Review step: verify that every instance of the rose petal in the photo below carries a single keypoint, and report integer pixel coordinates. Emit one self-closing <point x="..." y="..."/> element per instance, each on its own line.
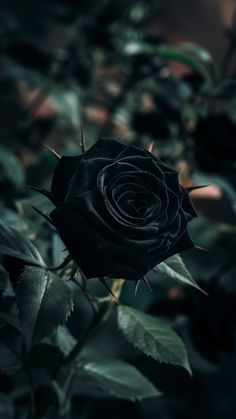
<point x="63" y="173"/>
<point x="104" y="147"/>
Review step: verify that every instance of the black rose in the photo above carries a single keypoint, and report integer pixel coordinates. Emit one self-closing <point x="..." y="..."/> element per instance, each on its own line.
<point x="215" y="144"/>
<point x="119" y="210"/>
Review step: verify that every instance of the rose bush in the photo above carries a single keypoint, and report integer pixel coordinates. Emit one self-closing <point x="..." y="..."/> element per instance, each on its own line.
<point x="119" y="210"/>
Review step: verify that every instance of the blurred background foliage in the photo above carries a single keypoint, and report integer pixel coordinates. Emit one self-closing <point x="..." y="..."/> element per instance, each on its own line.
<point x="146" y="72"/>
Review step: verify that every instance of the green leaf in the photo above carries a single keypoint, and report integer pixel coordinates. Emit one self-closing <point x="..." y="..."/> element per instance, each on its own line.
<point x="174" y="268"/>
<point x="64" y="340"/>
<point x="62" y="393"/>
<point x="11" y="350"/>
<point x="200" y="52"/>
<point x="44" y="301"/>
<point x="175" y="54"/>
<point x="14" y="244"/>
<point x="9" y="319"/>
<point x="117" y="378"/>
<point x="6" y="407"/>
<point x="58" y="250"/>
<point x="152" y="336"/>
<point x="11" y="170"/>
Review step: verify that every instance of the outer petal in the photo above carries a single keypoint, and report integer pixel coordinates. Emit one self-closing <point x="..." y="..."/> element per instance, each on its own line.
<point x="62" y="175"/>
<point x="85" y="176"/>
<point x="95" y="255"/>
<point x="67" y="165"/>
<point x="106" y="148"/>
<point x="187" y="204"/>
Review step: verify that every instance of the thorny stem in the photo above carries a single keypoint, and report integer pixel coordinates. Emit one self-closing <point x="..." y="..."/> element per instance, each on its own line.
<point x="65" y="367"/>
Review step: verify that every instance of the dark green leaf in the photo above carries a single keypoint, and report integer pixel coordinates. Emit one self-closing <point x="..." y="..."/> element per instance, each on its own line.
<point x="174" y="268"/>
<point x="44" y="301"/>
<point x="152" y="336"/>
<point x="10" y="319"/>
<point x="11" y="350"/>
<point x="10" y="168"/>
<point x="13" y="243"/>
<point x="118" y="379"/>
<point x="63" y="339"/>
<point x="62" y="394"/>
<point x="58" y="250"/>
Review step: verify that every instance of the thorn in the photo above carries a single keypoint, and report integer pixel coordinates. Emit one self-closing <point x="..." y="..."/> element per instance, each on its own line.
<point x="146" y="281"/>
<point x="62" y="265"/>
<point x="136" y="285"/>
<point x="74" y="271"/>
<point x="82" y="143"/>
<point x="150" y="147"/>
<point x="103" y="281"/>
<point x="200" y="248"/>
<point x="203" y="292"/>
<point x="58" y="156"/>
<point x="43" y="215"/>
<point x="193" y="188"/>
<point x="40" y="190"/>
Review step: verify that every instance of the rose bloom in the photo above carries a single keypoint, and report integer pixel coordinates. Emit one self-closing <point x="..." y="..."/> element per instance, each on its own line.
<point x="119" y="210"/>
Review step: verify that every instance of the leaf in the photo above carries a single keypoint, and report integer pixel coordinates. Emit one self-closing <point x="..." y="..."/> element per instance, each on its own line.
<point x="152" y="336"/>
<point x="175" y="54"/>
<point x="58" y="250"/>
<point x="44" y="301"/>
<point x="64" y="340"/>
<point x="11" y="350"/>
<point x="174" y="268"/>
<point x="117" y="378"/>
<point x="6" y="407"/>
<point x="14" y="244"/>
<point x="200" y="52"/>
<point x="11" y="319"/>
<point x="11" y="170"/>
<point x="12" y="218"/>
<point x="62" y="393"/>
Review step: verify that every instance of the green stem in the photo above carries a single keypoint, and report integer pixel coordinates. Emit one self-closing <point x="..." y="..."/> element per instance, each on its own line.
<point x="97" y="321"/>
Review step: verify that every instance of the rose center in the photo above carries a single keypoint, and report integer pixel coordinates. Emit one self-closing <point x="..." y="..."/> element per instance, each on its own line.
<point x="138" y="204"/>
